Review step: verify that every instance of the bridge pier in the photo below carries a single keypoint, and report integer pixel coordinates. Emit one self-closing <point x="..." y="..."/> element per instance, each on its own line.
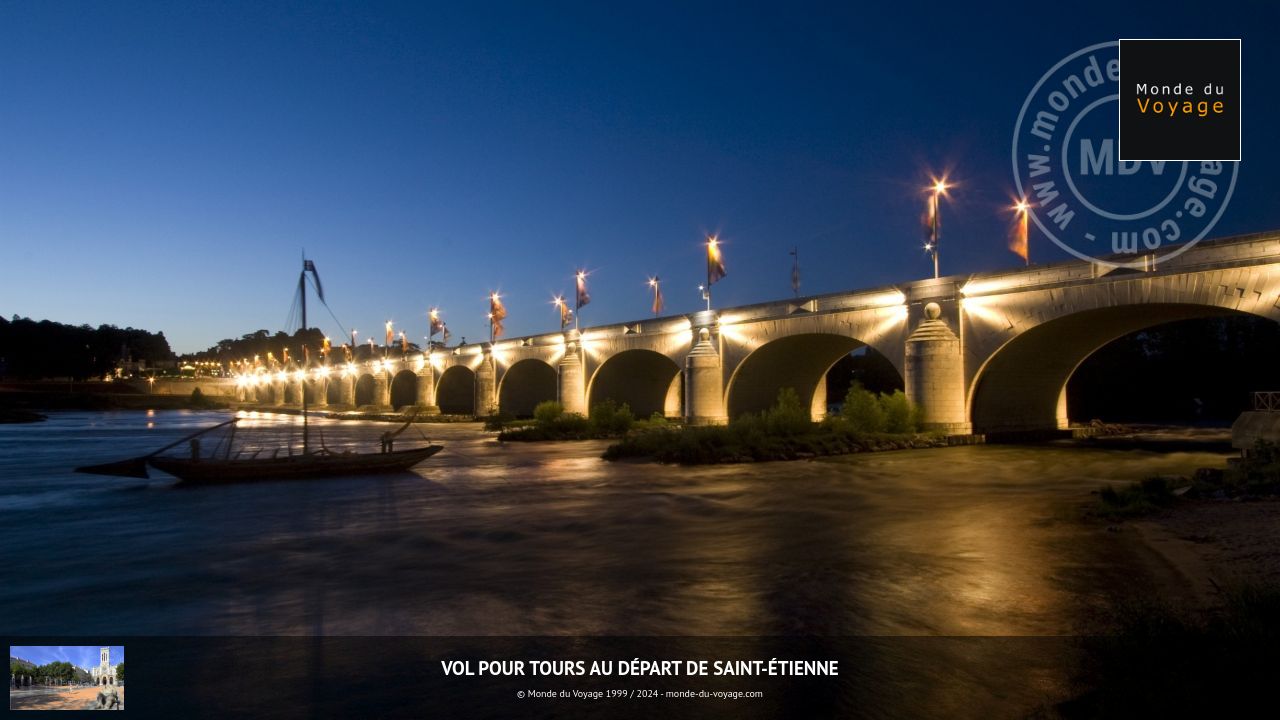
<point x="571" y="388"/>
<point x="486" y="386"/>
<point x="934" y="374"/>
<point x="382" y="390"/>
<point x="299" y="383"/>
<point x="347" y="390"/>
<point x="277" y="392"/>
<point x="704" y="387"/>
<point x="425" y="401"/>
<point x="320" y="391"/>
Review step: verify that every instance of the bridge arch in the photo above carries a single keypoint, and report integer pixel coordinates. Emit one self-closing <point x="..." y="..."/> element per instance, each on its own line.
<point x="525" y="384"/>
<point x="364" y="390"/>
<point x="799" y="362"/>
<point x="1023" y="384"/>
<point x="333" y="388"/>
<point x="456" y="391"/>
<point x="404" y="389"/>
<point x="646" y="380"/>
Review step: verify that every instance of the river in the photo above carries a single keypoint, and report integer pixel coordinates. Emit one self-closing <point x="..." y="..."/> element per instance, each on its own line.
<point x="549" y="540"/>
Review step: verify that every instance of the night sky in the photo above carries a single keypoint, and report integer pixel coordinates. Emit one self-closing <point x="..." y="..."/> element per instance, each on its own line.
<point x="163" y="165"/>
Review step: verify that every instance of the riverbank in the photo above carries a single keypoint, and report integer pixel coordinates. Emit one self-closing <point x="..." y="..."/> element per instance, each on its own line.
<point x="41" y="401"/>
<point x="730" y="444"/>
<point x="19" y="415"/>
<point x="1197" y="637"/>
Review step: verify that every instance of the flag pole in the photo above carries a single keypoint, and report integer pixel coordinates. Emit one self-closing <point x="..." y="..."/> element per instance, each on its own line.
<point x="795" y="270"/>
<point x="934" y="241"/>
<point x="935" y="221"/>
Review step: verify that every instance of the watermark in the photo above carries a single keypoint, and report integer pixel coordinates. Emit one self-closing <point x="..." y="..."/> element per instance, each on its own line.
<point x="1083" y="197"/>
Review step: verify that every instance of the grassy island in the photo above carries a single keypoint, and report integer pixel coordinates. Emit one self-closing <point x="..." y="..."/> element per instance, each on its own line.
<point x="867" y="422"/>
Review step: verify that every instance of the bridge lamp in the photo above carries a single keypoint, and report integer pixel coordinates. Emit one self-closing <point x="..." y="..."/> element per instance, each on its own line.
<point x="939" y="188"/>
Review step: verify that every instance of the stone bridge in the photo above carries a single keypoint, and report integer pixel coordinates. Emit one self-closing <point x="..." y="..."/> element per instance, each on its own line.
<point x="978" y="353"/>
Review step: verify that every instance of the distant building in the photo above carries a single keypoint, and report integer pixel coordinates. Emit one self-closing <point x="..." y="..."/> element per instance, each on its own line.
<point x="21" y="663"/>
<point x="105" y="673"/>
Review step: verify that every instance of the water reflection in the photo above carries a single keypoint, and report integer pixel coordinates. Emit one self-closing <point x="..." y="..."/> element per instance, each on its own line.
<point x="489" y="539"/>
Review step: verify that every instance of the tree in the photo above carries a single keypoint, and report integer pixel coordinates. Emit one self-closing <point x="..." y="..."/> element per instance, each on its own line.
<point x="120" y="672"/>
<point x="863" y="410"/>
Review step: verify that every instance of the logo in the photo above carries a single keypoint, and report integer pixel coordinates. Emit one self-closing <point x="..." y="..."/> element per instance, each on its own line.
<point x="1083" y="197"/>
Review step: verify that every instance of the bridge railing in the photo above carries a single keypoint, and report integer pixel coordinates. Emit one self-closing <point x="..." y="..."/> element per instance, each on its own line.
<point x="1267" y="401"/>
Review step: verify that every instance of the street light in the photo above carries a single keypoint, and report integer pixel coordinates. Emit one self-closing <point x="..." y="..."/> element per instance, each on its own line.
<point x="938" y="189"/>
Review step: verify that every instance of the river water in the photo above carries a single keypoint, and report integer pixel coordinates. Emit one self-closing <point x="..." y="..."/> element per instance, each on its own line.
<point x="547" y="539"/>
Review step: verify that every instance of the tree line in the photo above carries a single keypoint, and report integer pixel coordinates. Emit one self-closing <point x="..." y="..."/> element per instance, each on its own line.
<point x="32" y="350"/>
<point x="57" y="671"/>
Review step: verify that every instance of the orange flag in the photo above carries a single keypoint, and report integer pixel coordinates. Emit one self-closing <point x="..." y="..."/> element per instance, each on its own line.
<point x="1018" y="241"/>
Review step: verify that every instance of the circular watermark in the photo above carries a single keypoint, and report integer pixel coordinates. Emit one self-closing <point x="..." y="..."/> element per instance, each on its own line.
<point x="1099" y="208"/>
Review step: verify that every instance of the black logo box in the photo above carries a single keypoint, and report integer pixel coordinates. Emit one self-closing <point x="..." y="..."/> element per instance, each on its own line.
<point x="1187" y="68"/>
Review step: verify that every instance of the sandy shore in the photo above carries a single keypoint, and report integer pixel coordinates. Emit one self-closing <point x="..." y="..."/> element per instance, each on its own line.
<point x="1216" y="544"/>
<point x="76" y="698"/>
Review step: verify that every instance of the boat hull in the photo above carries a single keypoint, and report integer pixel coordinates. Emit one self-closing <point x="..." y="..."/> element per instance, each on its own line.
<point x="298" y="467"/>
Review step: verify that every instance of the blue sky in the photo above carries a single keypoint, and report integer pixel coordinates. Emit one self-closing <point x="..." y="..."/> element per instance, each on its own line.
<point x="83" y="656"/>
<point x="163" y="165"/>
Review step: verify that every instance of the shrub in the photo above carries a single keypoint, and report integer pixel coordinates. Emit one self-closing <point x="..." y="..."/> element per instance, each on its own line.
<point x="571" y="425"/>
<point x="548" y="412"/>
<point x="788" y="417"/>
<point x="609" y="418"/>
<point x="863" y="410"/>
<point x="900" y="416"/>
<point x="200" y="400"/>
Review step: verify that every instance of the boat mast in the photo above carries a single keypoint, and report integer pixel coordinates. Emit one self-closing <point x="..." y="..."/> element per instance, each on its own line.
<point x="302" y="291"/>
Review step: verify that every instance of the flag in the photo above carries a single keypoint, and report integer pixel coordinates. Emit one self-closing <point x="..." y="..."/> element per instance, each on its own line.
<point x="306" y="355"/>
<point x="389" y="335"/>
<point x="446" y="334"/>
<point x="565" y="312"/>
<point x="497" y="313"/>
<point x="656" y="283"/>
<point x="1018" y="235"/>
<point x="285" y="359"/>
<point x="437" y="324"/>
<point x="404" y="343"/>
<point x="932" y="221"/>
<point x="309" y="266"/>
<point x="795" y="271"/>
<point x="347" y="350"/>
<point x="583" y="298"/>
<point x="325" y="347"/>
<point x="715" y="261"/>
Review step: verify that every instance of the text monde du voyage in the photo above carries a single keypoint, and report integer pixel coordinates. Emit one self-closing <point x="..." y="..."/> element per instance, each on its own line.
<point x="1178" y="99"/>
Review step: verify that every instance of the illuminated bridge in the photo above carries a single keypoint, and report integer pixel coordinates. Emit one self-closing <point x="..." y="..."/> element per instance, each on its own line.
<point x="978" y="353"/>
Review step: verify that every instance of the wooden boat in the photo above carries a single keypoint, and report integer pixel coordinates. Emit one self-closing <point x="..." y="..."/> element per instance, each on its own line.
<point x="321" y="463"/>
<point x="225" y="465"/>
